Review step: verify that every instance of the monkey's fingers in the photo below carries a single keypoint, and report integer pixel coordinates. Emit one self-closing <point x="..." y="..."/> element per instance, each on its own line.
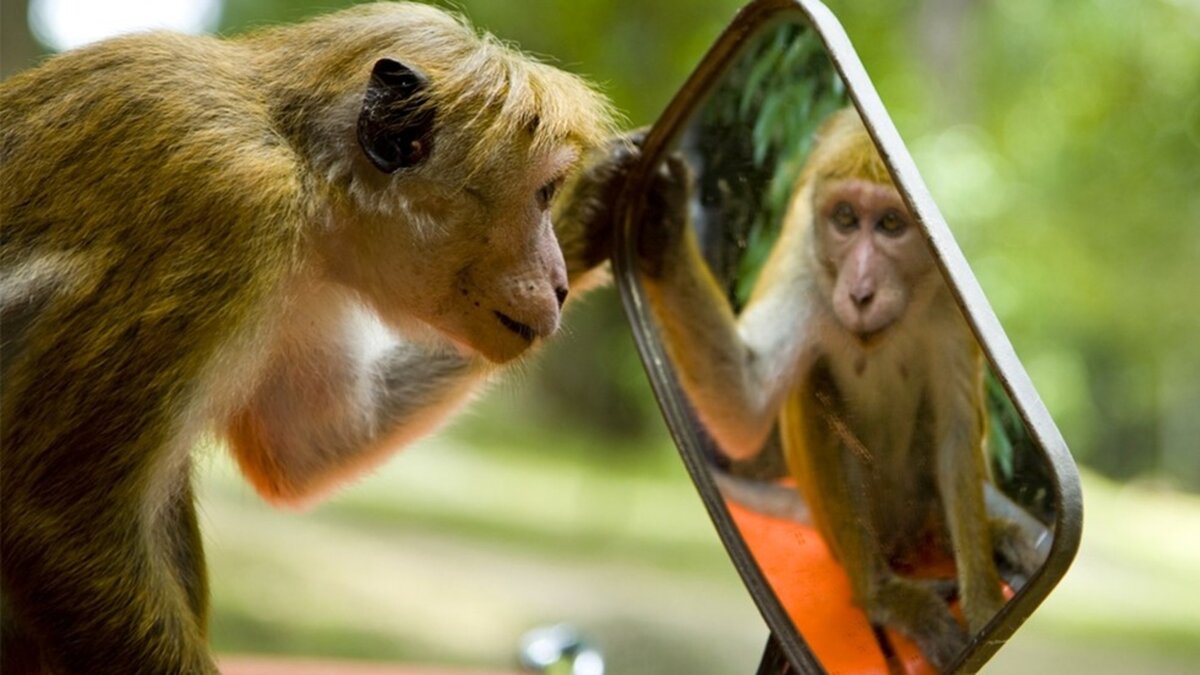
<point x="585" y="215"/>
<point x="665" y="216"/>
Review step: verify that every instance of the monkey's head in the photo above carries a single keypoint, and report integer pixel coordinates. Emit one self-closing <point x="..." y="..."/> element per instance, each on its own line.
<point x="872" y="259"/>
<point x="457" y="147"/>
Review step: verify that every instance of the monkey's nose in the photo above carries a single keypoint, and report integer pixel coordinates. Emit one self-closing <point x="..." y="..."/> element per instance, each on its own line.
<point x="862" y="297"/>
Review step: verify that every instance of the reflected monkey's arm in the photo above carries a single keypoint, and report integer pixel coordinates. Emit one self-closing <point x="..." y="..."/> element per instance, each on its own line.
<point x="736" y="370"/>
<point x="961" y="464"/>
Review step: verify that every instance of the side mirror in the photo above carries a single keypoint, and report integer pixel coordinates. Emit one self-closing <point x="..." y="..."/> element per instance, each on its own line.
<point x="874" y="456"/>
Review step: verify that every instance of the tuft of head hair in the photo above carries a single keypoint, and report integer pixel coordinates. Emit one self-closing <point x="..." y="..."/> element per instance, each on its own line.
<point x="489" y="90"/>
<point x="511" y="94"/>
<point x="844" y="149"/>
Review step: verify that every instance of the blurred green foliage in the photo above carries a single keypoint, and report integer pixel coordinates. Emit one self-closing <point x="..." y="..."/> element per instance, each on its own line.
<point x="1061" y="140"/>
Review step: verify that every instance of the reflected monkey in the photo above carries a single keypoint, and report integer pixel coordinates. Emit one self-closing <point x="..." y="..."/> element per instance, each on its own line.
<point x="852" y="341"/>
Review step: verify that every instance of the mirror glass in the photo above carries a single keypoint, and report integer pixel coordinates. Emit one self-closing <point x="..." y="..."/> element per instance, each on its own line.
<point x="866" y="451"/>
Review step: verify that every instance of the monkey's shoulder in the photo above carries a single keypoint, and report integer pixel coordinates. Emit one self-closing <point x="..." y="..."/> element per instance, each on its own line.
<point x="137" y="132"/>
<point x="143" y="99"/>
<point x="157" y="71"/>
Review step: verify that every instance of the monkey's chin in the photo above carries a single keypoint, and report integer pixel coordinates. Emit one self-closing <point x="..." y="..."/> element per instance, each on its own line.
<point x="871" y="337"/>
<point x="495" y="346"/>
<point x="497" y="351"/>
<point x="866" y="330"/>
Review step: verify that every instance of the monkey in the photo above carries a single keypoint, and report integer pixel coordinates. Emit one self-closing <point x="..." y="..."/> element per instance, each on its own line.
<point x="853" y="344"/>
<point x="314" y="242"/>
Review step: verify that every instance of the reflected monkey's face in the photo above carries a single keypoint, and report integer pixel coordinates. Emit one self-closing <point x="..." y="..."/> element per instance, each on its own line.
<point x="871" y="251"/>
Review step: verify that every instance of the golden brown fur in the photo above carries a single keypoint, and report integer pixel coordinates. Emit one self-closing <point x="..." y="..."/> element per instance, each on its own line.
<point x="192" y="242"/>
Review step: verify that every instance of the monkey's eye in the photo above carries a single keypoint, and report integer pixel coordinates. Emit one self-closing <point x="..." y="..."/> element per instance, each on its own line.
<point x="844" y="217"/>
<point x="891" y="223"/>
<point x="546" y="194"/>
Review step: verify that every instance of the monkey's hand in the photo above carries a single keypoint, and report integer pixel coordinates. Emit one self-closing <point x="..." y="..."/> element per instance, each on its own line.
<point x="584" y="216"/>
<point x="663" y="233"/>
<point x="918" y="611"/>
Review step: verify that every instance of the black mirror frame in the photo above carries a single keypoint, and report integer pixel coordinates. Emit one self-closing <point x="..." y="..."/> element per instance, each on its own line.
<point x="966" y="290"/>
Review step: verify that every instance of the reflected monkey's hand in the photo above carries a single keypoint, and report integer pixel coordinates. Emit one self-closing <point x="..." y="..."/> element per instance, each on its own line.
<point x="662" y="237"/>
<point x="584" y="216"/>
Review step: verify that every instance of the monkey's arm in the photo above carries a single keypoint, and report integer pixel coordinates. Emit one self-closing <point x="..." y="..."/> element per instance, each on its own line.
<point x="961" y="471"/>
<point x="341" y="394"/>
<point x="735" y="370"/>
<point x="583" y="214"/>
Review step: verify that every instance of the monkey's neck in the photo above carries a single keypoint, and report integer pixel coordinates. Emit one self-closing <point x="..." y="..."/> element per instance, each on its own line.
<point x="881" y="384"/>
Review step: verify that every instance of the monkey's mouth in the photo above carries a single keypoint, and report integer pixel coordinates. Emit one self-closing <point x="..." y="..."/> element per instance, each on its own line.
<point x="870" y="329"/>
<point x="872" y="337"/>
<point x="523" y="330"/>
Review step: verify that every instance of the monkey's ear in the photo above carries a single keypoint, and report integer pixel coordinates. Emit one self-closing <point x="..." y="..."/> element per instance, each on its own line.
<point x="395" y="125"/>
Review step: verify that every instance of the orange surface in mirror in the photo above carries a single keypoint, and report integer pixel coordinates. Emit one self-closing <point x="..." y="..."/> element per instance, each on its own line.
<point x="815" y="593"/>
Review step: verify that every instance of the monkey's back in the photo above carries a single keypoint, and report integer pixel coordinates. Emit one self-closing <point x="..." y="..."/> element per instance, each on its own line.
<point x="104" y="140"/>
<point x="147" y="208"/>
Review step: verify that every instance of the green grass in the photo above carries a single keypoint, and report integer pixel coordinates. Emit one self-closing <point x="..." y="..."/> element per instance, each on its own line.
<point x="462" y="543"/>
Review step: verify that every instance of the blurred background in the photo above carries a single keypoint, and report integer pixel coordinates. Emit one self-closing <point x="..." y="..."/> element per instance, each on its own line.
<point x="1062" y="143"/>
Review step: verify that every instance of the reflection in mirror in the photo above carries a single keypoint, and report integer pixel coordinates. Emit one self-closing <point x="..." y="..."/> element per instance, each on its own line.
<point x="875" y="468"/>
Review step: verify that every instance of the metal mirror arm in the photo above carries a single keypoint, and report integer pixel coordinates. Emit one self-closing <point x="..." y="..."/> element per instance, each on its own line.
<point x="774" y="660"/>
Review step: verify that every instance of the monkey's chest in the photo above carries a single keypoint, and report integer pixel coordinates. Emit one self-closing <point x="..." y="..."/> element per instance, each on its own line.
<point x="892" y="419"/>
<point x="885" y="412"/>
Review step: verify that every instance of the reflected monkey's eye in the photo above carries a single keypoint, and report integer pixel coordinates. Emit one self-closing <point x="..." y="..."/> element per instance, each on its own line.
<point x="892" y="223"/>
<point x="844" y="217"/>
<point x="546" y="194"/>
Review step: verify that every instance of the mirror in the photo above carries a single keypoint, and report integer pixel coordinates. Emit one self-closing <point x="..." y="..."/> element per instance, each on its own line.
<point x="873" y="454"/>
